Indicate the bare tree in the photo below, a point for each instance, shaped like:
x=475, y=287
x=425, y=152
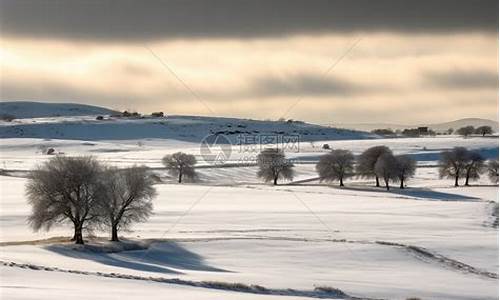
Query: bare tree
x=484, y=130
x=180, y=164
x=466, y=131
x=386, y=168
x=367, y=160
x=406, y=167
x=65, y=189
x=474, y=166
x=492, y=169
x=273, y=165
x=453, y=163
x=335, y=165
x=127, y=198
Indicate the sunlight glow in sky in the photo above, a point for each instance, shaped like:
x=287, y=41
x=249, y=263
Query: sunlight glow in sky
x=408, y=75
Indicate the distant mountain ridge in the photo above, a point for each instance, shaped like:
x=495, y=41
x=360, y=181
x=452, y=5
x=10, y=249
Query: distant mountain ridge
x=31, y=109
x=476, y=122
x=439, y=127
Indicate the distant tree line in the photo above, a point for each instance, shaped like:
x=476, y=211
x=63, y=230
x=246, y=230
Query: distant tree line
x=379, y=163
x=469, y=130
x=407, y=132
x=424, y=131
x=338, y=165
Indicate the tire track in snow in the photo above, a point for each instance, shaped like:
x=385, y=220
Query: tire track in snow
x=419, y=252
x=492, y=220
x=319, y=292
x=428, y=255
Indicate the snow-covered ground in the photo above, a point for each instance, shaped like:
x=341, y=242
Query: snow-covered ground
x=431, y=240
x=293, y=237
x=25, y=284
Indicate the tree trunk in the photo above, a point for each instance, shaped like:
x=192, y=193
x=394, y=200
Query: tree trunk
x=456, y=179
x=341, y=182
x=386, y=184
x=484, y=133
x=74, y=235
x=78, y=234
x=377, y=183
x=276, y=180
x=402, y=185
x=467, y=178
x=114, y=233
x=180, y=176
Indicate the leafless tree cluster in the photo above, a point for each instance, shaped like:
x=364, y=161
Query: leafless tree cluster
x=376, y=162
x=468, y=130
x=381, y=163
x=462, y=163
x=85, y=193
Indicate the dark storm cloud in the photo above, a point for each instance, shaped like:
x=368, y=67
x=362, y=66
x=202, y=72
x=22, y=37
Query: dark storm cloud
x=304, y=85
x=462, y=79
x=53, y=90
x=301, y=85
x=132, y=20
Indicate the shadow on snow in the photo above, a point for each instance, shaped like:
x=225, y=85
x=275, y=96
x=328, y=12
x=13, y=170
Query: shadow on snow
x=164, y=257
x=418, y=193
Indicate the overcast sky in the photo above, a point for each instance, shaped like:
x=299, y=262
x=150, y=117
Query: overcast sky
x=393, y=61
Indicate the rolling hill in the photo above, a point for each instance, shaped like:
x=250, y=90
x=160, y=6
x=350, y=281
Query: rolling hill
x=30, y=109
x=78, y=122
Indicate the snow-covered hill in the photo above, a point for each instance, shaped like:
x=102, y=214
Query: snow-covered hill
x=27, y=109
x=476, y=122
x=184, y=128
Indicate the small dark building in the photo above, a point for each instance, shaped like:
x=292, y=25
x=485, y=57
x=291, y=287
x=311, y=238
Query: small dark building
x=423, y=130
x=158, y=114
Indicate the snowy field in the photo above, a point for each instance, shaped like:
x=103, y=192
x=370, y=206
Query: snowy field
x=431, y=241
